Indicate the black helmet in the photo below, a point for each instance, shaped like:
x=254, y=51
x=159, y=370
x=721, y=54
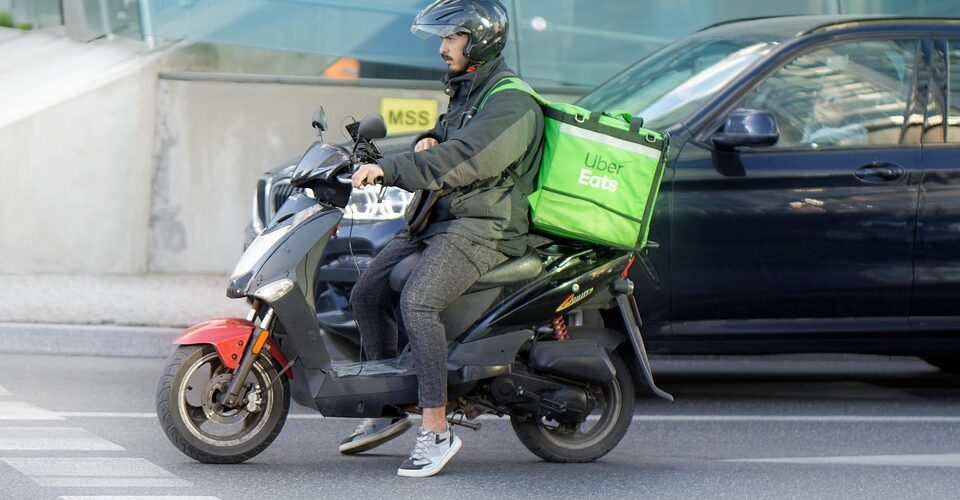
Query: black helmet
x=484, y=21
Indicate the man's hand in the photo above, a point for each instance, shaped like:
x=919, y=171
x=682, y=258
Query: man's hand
x=425, y=144
x=370, y=173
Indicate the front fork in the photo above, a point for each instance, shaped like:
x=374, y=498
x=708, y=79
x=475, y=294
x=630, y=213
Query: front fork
x=258, y=337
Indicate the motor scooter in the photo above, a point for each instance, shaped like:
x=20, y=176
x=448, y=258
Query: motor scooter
x=225, y=392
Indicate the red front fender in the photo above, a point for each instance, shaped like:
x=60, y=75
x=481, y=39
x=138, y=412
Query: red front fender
x=228, y=337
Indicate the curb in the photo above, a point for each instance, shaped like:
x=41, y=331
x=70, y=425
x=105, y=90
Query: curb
x=87, y=340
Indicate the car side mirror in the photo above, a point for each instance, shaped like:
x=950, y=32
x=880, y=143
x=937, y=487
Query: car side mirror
x=319, y=120
x=747, y=128
x=372, y=127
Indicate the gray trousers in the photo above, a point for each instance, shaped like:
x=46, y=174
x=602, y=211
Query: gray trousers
x=450, y=265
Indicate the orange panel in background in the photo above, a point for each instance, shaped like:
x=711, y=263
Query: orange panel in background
x=346, y=68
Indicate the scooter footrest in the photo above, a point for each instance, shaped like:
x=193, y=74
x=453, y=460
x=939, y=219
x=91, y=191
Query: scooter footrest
x=370, y=369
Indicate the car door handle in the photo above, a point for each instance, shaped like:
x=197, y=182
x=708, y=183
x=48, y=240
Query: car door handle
x=880, y=172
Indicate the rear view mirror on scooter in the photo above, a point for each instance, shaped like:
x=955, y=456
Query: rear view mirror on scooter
x=372, y=127
x=319, y=120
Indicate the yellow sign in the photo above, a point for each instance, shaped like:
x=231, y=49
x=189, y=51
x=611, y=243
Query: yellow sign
x=408, y=115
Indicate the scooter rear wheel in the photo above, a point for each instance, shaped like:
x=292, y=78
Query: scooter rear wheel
x=192, y=418
x=589, y=440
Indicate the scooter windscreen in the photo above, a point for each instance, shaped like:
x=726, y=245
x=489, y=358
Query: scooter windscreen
x=318, y=170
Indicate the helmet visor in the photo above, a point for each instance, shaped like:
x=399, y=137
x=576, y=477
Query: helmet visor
x=440, y=30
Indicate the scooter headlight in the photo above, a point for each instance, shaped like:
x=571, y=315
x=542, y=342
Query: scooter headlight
x=274, y=291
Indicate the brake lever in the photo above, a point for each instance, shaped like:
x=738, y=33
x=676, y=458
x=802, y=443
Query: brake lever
x=378, y=180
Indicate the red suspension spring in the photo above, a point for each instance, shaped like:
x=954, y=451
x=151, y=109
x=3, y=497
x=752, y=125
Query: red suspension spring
x=559, y=328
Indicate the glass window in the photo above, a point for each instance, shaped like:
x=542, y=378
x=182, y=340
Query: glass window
x=924, y=8
x=669, y=85
x=845, y=95
x=953, y=93
x=556, y=42
x=932, y=79
x=372, y=36
x=32, y=14
x=585, y=42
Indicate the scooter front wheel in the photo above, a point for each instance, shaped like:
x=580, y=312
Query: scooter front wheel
x=189, y=409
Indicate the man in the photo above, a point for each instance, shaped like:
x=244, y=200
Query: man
x=473, y=171
x=832, y=124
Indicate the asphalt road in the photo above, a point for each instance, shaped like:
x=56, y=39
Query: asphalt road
x=781, y=427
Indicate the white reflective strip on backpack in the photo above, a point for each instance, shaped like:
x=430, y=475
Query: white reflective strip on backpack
x=566, y=128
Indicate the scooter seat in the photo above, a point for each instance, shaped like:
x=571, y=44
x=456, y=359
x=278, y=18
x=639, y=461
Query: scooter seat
x=515, y=269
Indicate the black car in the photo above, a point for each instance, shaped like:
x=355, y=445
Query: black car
x=811, y=201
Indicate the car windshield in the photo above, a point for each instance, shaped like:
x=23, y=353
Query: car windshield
x=669, y=85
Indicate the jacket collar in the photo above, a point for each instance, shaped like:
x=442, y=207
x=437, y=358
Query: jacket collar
x=474, y=81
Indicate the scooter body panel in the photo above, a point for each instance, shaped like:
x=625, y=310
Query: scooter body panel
x=370, y=394
x=300, y=225
x=294, y=256
x=564, y=287
x=229, y=337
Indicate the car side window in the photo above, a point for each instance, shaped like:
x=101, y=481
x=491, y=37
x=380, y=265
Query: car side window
x=849, y=94
x=953, y=93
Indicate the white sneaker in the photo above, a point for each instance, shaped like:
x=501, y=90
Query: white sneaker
x=433, y=451
x=373, y=432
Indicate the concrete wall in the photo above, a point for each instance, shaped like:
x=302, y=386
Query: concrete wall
x=76, y=181
x=214, y=139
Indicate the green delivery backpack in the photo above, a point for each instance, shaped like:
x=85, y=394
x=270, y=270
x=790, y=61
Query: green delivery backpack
x=599, y=175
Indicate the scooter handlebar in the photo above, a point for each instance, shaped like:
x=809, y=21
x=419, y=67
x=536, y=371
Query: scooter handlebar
x=378, y=180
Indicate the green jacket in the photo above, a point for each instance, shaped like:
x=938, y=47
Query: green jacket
x=478, y=197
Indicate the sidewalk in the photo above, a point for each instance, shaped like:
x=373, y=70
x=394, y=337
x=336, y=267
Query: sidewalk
x=107, y=315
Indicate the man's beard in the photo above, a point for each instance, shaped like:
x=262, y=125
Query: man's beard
x=450, y=71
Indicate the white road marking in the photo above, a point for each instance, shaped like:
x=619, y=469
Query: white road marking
x=136, y=497
x=95, y=472
x=106, y=414
x=109, y=472
x=110, y=482
x=52, y=438
x=314, y=416
x=134, y=414
x=892, y=419
x=4, y=392
x=87, y=466
x=18, y=410
x=944, y=460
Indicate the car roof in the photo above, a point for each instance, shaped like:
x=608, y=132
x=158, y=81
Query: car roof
x=787, y=27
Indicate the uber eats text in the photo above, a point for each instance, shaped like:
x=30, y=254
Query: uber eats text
x=593, y=177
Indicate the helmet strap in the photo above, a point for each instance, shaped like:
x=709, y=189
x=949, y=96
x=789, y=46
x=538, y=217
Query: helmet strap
x=466, y=51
